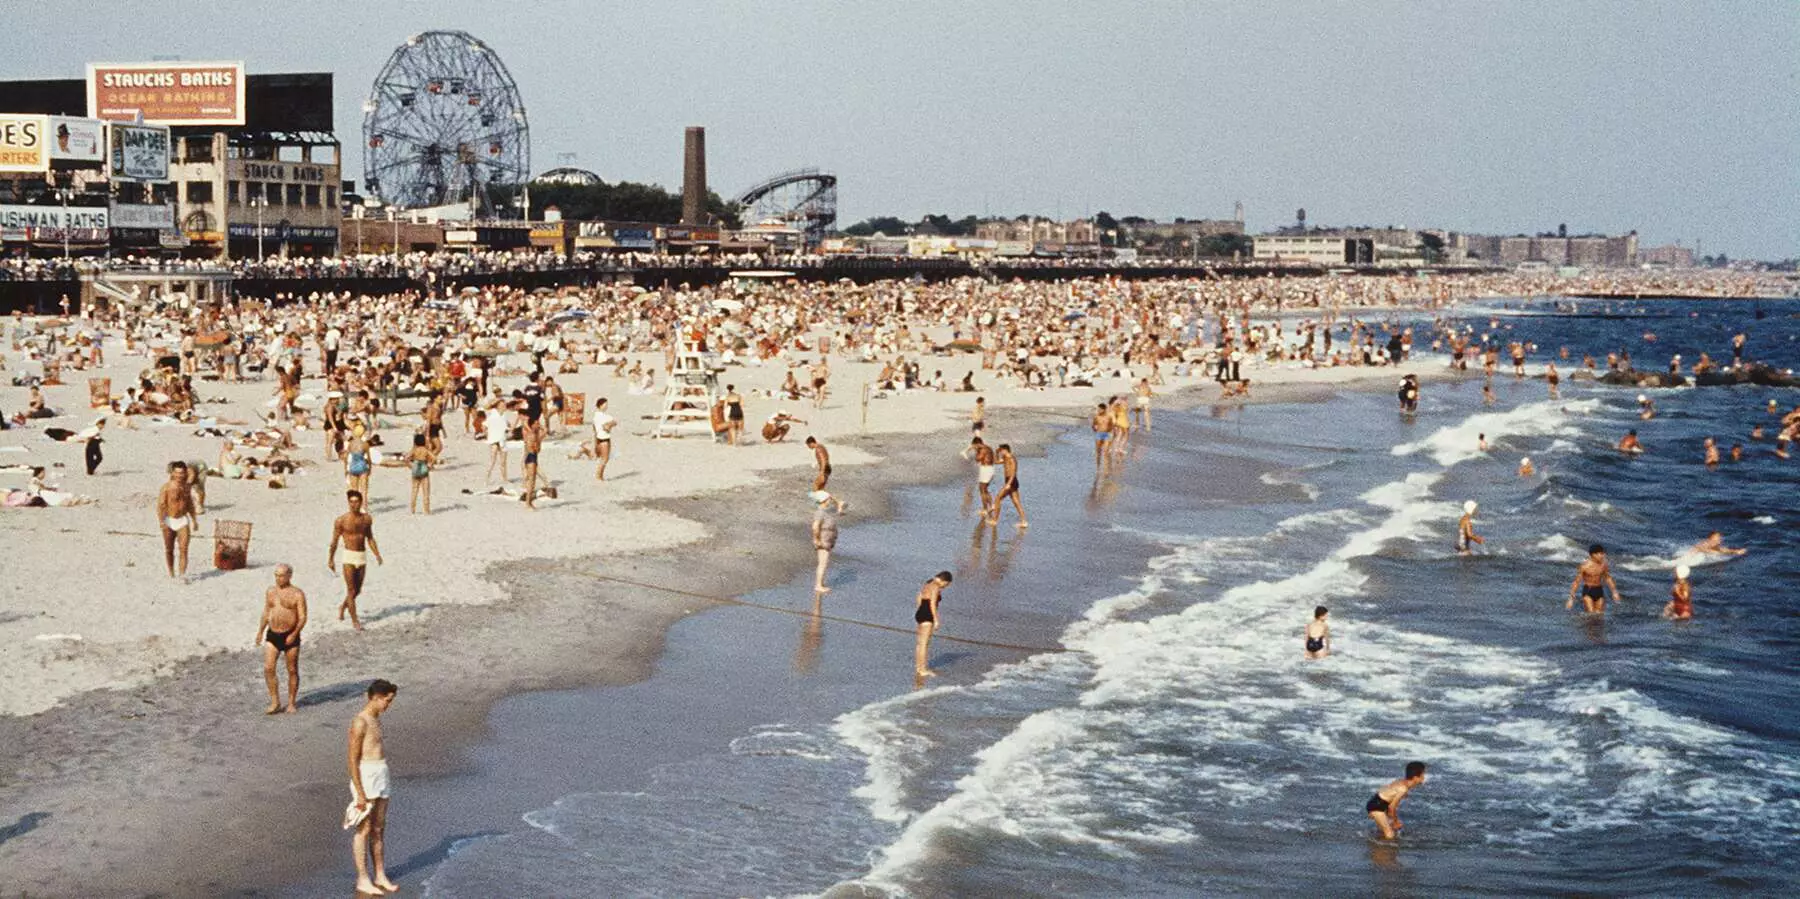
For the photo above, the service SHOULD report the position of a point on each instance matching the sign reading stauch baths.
(167, 93)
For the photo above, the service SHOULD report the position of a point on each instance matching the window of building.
(198, 149)
(331, 198)
(293, 194)
(161, 193)
(272, 194)
(199, 192)
(232, 192)
(323, 154)
(291, 153)
(312, 195)
(259, 151)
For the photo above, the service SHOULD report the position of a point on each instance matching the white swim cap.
(1469, 507)
(1525, 461)
(1681, 571)
(1643, 399)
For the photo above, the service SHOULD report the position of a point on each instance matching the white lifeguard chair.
(688, 396)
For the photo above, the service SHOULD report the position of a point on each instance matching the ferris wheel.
(443, 124)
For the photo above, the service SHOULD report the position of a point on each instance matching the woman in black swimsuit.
(926, 615)
(1318, 634)
(734, 414)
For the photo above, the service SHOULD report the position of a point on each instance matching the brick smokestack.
(693, 178)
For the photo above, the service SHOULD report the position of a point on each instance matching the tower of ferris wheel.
(444, 124)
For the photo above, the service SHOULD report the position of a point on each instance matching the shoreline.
(225, 777)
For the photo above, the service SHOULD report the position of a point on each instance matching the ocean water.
(1167, 738)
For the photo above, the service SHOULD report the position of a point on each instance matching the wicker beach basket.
(231, 545)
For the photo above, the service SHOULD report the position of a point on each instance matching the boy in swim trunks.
(357, 531)
(1384, 806)
(1592, 580)
(369, 791)
(175, 517)
(283, 617)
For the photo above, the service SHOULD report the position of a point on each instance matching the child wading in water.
(1384, 806)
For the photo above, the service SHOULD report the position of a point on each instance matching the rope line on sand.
(734, 601)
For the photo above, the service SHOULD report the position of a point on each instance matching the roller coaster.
(805, 199)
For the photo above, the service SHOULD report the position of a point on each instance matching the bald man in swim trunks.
(357, 531)
(175, 517)
(283, 617)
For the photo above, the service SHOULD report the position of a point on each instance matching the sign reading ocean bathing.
(167, 93)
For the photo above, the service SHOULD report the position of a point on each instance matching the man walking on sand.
(283, 617)
(357, 531)
(370, 790)
(823, 459)
(175, 517)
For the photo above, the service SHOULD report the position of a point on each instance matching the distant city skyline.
(1678, 120)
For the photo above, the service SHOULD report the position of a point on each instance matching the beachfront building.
(1673, 256)
(1043, 235)
(252, 160)
(1313, 249)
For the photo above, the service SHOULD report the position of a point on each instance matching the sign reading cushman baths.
(167, 93)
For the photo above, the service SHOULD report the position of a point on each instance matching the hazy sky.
(1681, 120)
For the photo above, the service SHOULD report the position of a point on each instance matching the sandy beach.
(133, 703)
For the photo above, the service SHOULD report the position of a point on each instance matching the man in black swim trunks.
(1592, 580)
(1384, 806)
(1009, 468)
(283, 617)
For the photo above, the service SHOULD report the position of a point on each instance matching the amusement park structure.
(804, 199)
(443, 124)
(568, 175)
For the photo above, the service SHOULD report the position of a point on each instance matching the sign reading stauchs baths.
(167, 93)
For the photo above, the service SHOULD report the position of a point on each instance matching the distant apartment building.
(1313, 249)
(1585, 251)
(1673, 256)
